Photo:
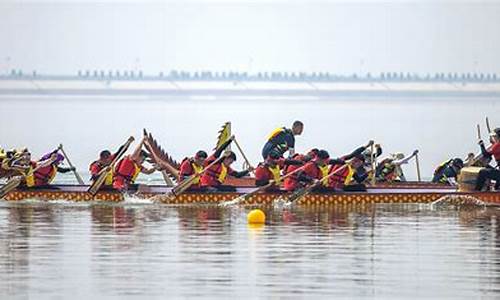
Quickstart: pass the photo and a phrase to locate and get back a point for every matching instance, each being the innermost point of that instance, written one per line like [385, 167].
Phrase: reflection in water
[400, 251]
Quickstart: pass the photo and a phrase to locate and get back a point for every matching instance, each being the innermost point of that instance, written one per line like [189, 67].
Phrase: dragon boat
[395, 193]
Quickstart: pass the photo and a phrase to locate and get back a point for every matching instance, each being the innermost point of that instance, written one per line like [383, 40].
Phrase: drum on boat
[467, 179]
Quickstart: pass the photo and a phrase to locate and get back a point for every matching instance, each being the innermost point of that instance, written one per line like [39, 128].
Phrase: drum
[467, 179]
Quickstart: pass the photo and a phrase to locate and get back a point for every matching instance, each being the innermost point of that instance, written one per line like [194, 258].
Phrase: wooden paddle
[10, 185]
[417, 164]
[244, 156]
[479, 157]
[488, 125]
[247, 196]
[78, 177]
[96, 185]
[303, 192]
[373, 163]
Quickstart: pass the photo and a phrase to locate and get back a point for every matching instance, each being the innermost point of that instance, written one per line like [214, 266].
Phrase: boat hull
[373, 195]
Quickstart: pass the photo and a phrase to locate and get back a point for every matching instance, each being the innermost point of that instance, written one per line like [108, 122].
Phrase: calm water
[142, 249]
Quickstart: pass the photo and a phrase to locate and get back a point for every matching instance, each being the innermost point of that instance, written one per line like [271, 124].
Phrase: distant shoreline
[241, 87]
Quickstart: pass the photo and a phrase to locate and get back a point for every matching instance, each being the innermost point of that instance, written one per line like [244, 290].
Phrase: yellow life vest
[109, 178]
[276, 174]
[30, 177]
[349, 176]
[137, 171]
[324, 172]
[222, 174]
[197, 170]
[275, 132]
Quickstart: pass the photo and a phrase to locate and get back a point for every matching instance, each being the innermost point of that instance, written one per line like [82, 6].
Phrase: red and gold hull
[373, 195]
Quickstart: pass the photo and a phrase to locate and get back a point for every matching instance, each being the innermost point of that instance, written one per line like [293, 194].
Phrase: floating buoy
[256, 216]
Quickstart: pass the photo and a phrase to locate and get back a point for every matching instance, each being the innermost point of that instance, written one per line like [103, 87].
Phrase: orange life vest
[342, 177]
[45, 175]
[128, 169]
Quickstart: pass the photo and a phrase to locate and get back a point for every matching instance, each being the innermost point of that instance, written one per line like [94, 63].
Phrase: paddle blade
[299, 194]
[235, 201]
[168, 198]
[96, 185]
[12, 184]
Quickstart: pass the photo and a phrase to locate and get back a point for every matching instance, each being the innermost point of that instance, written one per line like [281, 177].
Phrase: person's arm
[405, 160]
[290, 141]
[302, 176]
[137, 151]
[148, 171]
[336, 161]
[223, 147]
[353, 154]
[360, 178]
[292, 162]
[357, 152]
[186, 170]
[484, 151]
[238, 174]
[94, 171]
[65, 170]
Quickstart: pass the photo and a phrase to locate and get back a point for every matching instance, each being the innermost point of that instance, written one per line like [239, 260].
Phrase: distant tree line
[272, 76]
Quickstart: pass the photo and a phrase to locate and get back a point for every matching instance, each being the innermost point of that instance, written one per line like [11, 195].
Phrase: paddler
[448, 171]
[346, 175]
[95, 168]
[105, 159]
[214, 178]
[271, 168]
[389, 169]
[493, 152]
[47, 168]
[314, 170]
[15, 161]
[282, 140]
[192, 165]
[351, 170]
[298, 179]
[129, 167]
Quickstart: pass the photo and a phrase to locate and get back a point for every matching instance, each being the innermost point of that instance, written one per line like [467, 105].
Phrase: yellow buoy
[256, 216]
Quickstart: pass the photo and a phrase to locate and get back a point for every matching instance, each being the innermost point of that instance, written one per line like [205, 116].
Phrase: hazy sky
[334, 36]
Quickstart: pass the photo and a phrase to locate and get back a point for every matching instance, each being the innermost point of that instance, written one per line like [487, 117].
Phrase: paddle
[11, 184]
[244, 156]
[247, 196]
[488, 125]
[303, 192]
[373, 162]
[78, 177]
[417, 164]
[96, 185]
[479, 157]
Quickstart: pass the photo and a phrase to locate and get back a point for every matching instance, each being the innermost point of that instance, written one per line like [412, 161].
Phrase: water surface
[141, 249]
